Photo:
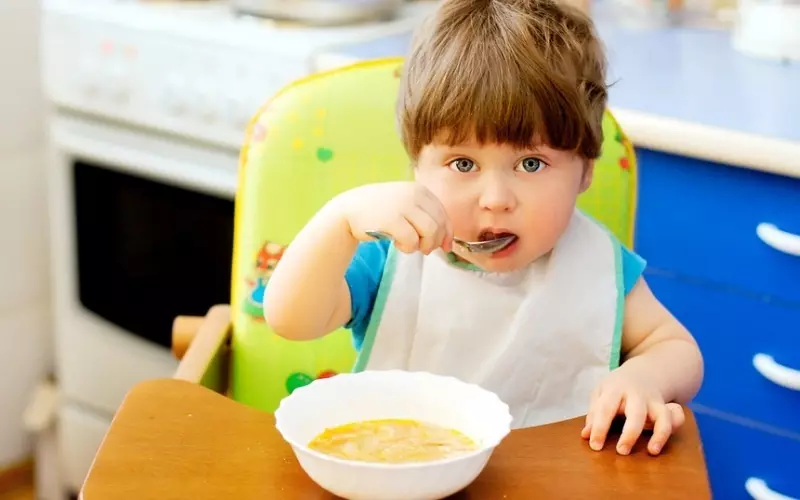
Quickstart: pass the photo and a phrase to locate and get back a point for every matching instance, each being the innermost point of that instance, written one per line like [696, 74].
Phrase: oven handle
[141, 163]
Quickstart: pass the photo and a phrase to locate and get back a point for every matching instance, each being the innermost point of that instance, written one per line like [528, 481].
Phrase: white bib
[541, 338]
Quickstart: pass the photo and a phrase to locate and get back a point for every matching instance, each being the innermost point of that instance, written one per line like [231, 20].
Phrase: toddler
[500, 111]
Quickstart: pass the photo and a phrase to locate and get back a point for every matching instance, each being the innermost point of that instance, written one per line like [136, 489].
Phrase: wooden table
[172, 439]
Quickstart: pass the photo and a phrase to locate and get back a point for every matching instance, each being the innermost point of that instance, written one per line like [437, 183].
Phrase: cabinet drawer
[732, 330]
[743, 458]
[700, 219]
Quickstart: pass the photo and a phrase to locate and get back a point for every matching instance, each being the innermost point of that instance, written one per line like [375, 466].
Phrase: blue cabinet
[700, 219]
[742, 457]
[732, 329]
[739, 294]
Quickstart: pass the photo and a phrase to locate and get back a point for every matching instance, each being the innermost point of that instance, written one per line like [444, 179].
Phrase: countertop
[681, 90]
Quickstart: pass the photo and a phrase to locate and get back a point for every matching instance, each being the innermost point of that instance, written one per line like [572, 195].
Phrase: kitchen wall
[25, 337]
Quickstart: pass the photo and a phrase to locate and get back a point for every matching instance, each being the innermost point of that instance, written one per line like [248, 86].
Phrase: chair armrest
[202, 345]
[184, 330]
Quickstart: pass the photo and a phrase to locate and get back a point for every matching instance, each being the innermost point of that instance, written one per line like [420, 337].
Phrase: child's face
[492, 189]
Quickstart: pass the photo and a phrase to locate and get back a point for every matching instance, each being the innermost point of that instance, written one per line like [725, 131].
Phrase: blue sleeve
[363, 278]
[632, 268]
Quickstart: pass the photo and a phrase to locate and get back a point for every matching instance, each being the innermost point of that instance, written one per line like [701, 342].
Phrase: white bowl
[369, 395]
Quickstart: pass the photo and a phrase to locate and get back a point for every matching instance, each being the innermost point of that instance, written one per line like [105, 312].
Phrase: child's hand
[407, 211]
[642, 405]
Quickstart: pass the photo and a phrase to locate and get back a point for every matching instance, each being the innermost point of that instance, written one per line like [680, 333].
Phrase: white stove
[147, 97]
[191, 68]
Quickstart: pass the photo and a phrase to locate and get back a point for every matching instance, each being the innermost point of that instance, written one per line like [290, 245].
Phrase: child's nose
[497, 195]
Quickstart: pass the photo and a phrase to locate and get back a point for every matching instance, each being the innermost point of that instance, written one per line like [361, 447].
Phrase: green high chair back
[317, 137]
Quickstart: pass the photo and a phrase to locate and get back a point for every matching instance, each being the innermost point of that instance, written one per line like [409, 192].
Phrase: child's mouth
[487, 235]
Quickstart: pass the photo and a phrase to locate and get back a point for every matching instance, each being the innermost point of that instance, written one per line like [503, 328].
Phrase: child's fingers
[429, 231]
[635, 417]
[587, 427]
[446, 231]
[447, 241]
[678, 416]
[662, 428]
[428, 202]
[405, 236]
[606, 411]
[431, 204]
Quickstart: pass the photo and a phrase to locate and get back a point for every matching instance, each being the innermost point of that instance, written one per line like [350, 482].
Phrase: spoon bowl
[488, 246]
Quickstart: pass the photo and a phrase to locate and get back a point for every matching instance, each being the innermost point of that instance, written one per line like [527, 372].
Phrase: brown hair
[505, 71]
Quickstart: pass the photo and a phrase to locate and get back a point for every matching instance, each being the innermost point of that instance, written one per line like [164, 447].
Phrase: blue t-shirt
[366, 270]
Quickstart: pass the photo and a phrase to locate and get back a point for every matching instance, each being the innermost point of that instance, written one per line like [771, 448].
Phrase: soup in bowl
[392, 435]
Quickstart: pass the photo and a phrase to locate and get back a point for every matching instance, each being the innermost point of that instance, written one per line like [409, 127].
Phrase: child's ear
[588, 174]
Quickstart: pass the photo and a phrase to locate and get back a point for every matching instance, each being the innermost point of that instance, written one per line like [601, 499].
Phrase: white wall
[25, 338]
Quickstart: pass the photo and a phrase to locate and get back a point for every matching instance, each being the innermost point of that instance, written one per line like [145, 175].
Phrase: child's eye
[462, 165]
[531, 164]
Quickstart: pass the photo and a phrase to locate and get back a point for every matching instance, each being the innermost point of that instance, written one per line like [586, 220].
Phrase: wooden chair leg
[203, 346]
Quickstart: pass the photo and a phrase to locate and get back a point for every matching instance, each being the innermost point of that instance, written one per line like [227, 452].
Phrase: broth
[392, 441]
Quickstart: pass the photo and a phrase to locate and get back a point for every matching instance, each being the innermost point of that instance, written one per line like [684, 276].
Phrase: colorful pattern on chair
[611, 199]
[316, 138]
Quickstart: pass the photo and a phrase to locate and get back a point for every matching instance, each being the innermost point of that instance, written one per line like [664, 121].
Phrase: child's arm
[662, 366]
[307, 296]
[657, 346]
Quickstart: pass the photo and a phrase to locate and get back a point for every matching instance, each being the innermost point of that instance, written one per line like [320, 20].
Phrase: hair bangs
[518, 72]
[493, 107]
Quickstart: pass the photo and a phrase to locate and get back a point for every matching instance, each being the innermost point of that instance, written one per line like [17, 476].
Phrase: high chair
[318, 137]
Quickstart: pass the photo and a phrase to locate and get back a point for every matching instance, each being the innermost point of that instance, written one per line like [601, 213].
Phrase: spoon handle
[379, 235]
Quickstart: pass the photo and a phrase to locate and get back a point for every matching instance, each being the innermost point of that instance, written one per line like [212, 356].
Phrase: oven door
[142, 231]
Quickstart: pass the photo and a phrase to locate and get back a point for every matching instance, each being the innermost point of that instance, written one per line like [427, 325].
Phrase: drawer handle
[778, 239]
[759, 490]
[776, 372]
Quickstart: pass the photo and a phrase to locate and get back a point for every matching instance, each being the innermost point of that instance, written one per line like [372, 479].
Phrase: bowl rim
[485, 446]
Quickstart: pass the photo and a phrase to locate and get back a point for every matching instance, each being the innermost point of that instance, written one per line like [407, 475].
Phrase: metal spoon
[488, 246]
